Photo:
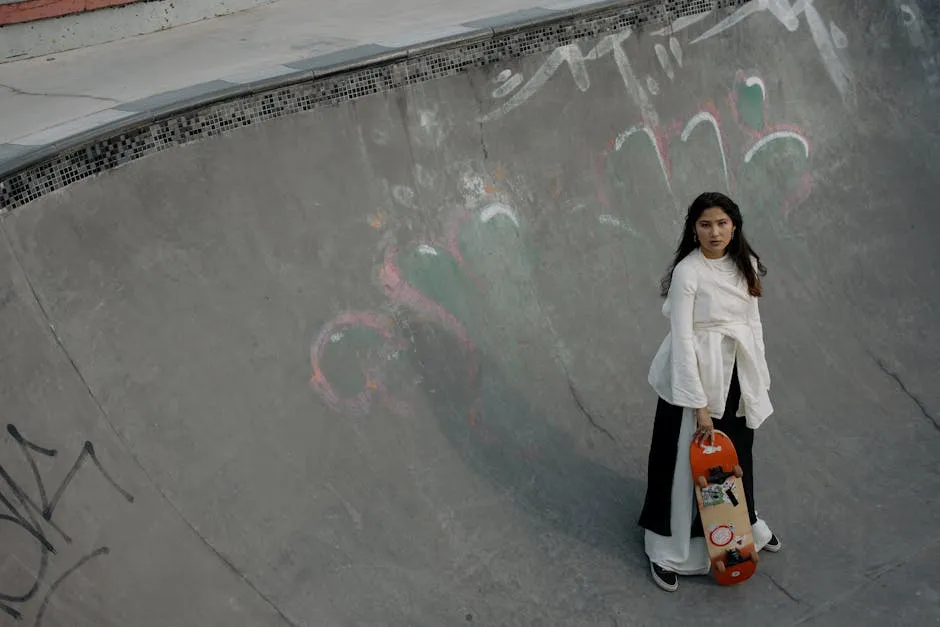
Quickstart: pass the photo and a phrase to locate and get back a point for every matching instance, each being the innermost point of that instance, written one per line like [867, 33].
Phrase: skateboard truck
[716, 475]
[733, 558]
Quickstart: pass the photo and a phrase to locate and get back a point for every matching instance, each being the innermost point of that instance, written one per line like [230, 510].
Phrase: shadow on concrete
[504, 436]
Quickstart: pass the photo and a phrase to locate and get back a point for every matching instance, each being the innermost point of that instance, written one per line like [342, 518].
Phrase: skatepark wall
[33, 28]
[368, 344]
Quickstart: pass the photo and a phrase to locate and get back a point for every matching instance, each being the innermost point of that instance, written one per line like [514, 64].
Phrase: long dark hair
[739, 250]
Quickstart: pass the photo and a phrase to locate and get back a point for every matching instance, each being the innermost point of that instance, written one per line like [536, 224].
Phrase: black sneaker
[664, 579]
[774, 544]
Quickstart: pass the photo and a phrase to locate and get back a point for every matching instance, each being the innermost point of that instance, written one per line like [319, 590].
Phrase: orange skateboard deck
[719, 493]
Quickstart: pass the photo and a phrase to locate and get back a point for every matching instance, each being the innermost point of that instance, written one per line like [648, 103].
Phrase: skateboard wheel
[720, 567]
[701, 481]
[738, 471]
[754, 557]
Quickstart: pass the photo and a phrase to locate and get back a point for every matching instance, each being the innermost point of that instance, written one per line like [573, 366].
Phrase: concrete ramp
[384, 362]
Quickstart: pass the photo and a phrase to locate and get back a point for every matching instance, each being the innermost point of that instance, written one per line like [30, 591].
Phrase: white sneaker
[773, 545]
[667, 580]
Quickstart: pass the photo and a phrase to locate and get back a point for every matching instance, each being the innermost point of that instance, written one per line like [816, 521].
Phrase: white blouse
[714, 322]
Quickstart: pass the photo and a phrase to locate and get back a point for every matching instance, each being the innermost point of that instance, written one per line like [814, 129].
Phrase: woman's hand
[705, 428]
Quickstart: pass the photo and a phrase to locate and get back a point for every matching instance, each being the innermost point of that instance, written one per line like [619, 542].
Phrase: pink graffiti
[373, 369]
[404, 293]
[376, 364]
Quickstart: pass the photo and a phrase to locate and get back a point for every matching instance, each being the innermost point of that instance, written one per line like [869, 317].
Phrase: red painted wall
[32, 10]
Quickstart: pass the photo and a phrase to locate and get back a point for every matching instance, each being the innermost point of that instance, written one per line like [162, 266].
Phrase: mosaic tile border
[193, 115]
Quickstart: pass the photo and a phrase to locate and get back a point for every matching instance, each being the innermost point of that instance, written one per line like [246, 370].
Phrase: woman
[710, 367]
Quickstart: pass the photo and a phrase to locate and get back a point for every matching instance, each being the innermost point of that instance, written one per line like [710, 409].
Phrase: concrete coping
[56, 157]
[48, 143]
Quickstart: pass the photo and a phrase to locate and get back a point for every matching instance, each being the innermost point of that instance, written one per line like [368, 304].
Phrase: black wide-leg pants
[662, 460]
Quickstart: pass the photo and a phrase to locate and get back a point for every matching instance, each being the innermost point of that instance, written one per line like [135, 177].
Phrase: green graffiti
[640, 192]
[699, 159]
[437, 275]
[750, 99]
[775, 172]
[495, 251]
[731, 149]
[350, 352]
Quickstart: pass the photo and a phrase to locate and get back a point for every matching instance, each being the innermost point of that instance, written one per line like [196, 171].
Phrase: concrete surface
[66, 93]
[80, 27]
[385, 363]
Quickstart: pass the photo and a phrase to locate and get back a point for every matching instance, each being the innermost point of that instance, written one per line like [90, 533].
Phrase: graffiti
[571, 55]
[433, 282]
[515, 90]
[25, 517]
[474, 271]
[766, 163]
[380, 340]
[373, 365]
[461, 339]
[918, 32]
[827, 40]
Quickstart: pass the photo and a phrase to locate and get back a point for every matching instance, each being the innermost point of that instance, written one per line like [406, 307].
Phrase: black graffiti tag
[25, 517]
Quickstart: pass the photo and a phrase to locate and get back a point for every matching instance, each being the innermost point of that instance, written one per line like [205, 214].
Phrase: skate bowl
[371, 347]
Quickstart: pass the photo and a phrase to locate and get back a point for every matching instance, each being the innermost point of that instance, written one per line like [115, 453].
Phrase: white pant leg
[679, 553]
[762, 533]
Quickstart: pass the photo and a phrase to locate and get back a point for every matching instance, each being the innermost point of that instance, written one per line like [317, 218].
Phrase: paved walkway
[51, 99]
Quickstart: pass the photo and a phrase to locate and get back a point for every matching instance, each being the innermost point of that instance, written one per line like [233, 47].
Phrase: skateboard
[719, 493]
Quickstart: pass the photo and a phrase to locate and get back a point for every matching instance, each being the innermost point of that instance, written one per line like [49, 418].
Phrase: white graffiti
[826, 39]
[498, 209]
[920, 37]
[508, 83]
[627, 134]
[704, 117]
[474, 188]
[839, 38]
[763, 142]
[610, 220]
[707, 121]
[404, 195]
[516, 90]
[572, 56]
[664, 61]
[788, 16]
[676, 50]
[751, 81]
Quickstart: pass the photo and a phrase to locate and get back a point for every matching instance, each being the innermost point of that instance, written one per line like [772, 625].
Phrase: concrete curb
[33, 149]
[56, 157]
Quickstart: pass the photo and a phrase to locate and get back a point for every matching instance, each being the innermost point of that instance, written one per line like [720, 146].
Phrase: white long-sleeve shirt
[714, 322]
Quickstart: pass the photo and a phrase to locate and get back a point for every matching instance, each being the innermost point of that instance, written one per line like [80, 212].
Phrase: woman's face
[714, 229]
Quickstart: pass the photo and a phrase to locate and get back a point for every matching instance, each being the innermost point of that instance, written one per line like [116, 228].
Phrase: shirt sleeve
[687, 388]
[757, 326]
[757, 329]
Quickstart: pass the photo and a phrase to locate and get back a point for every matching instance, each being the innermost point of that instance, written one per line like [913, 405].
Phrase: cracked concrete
[782, 588]
[188, 291]
[920, 404]
[248, 42]
[35, 111]
[587, 414]
[23, 92]
[104, 416]
[913, 578]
